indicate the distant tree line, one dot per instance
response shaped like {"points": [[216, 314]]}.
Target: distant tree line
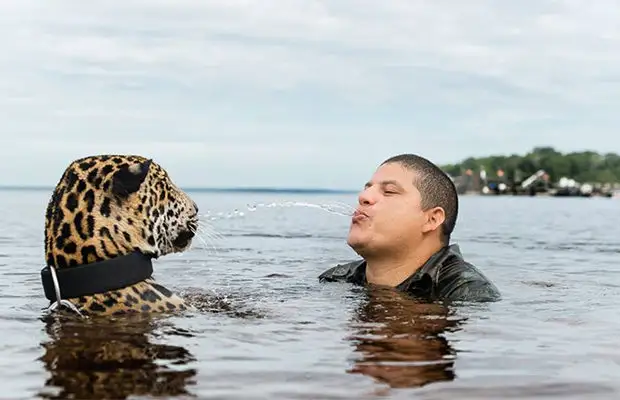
{"points": [[584, 166]]}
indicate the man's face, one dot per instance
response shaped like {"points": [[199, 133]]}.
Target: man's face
{"points": [[389, 217]]}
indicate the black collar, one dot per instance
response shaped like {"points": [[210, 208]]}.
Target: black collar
{"points": [[98, 277]]}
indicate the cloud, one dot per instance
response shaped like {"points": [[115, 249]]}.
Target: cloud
{"points": [[304, 89]]}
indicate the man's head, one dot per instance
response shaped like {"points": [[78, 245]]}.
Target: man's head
{"points": [[408, 201]]}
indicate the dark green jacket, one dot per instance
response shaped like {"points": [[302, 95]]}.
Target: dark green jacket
{"points": [[445, 276]]}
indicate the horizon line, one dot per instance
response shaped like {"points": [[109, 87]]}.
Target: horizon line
{"points": [[231, 189]]}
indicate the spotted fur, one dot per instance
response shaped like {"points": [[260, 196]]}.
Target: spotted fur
{"points": [[105, 206]]}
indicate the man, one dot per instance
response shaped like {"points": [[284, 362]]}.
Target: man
{"points": [[402, 229]]}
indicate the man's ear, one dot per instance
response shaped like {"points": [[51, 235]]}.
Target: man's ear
{"points": [[127, 180], [435, 217]]}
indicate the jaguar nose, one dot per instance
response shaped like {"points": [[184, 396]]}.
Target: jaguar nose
{"points": [[195, 207]]}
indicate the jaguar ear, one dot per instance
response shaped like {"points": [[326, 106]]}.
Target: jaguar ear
{"points": [[127, 180]]}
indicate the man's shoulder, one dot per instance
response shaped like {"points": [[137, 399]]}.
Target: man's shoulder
{"points": [[459, 279], [341, 272]]}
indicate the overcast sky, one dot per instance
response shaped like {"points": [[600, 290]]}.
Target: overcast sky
{"points": [[298, 92]]}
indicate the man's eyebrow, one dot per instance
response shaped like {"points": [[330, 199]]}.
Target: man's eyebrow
{"points": [[391, 182], [385, 183]]}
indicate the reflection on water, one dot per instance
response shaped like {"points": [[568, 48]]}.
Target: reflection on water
{"points": [[112, 358], [399, 341]]}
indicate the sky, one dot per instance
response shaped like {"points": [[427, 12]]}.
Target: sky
{"points": [[301, 93]]}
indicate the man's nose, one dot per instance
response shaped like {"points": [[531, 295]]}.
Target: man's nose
{"points": [[366, 197]]}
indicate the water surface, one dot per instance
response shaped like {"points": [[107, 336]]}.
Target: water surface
{"points": [[269, 329]]}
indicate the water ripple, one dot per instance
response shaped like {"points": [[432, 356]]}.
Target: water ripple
{"points": [[266, 327]]}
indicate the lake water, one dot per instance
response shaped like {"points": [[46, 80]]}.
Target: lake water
{"points": [[268, 329]]}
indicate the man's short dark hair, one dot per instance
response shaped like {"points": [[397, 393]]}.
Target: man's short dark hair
{"points": [[435, 187]]}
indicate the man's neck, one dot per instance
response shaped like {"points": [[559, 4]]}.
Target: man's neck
{"points": [[392, 271]]}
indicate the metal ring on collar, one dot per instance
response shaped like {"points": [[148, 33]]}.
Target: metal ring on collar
{"points": [[59, 301]]}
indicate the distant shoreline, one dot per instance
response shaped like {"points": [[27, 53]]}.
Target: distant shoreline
{"points": [[212, 190]]}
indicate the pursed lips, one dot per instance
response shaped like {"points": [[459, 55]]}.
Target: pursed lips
{"points": [[359, 215]]}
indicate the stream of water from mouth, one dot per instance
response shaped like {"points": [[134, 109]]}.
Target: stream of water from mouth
{"points": [[336, 208]]}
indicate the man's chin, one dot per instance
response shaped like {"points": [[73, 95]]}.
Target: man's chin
{"points": [[357, 244]]}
